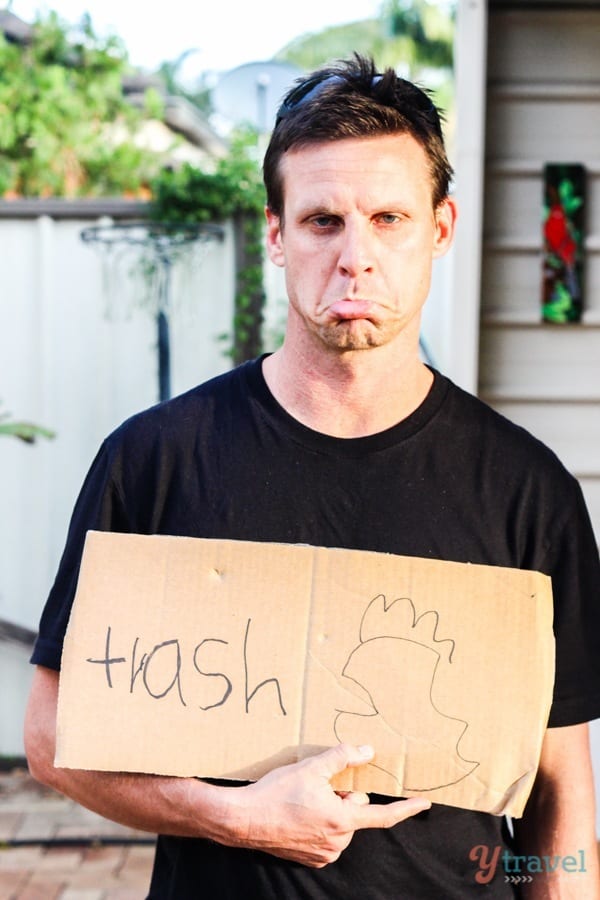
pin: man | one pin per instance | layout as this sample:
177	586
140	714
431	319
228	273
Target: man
344	438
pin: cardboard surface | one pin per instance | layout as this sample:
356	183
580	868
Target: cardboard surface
187	656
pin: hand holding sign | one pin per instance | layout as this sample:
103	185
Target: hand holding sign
294	813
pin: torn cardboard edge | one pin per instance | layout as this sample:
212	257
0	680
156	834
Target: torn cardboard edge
224	659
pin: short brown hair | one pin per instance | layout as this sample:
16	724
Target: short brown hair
352	100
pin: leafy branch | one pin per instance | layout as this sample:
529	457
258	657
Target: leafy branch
25	431
234	189
66	128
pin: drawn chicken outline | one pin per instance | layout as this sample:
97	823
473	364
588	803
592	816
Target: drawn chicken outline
417	639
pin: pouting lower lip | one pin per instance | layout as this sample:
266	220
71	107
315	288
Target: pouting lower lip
351	309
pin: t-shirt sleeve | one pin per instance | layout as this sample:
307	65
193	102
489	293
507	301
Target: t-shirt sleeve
574	567
99	507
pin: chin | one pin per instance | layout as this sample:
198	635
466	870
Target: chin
364	337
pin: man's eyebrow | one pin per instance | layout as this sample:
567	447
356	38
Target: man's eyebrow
318	209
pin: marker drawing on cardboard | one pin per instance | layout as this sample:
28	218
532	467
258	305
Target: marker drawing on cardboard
397	652
234	657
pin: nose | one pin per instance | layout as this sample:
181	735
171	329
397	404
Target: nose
356	250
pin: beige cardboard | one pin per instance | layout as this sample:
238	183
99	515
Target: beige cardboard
188	656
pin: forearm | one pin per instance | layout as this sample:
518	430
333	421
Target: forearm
179	806
293	812
558	827
175	806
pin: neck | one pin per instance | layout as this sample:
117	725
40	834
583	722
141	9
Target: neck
349	394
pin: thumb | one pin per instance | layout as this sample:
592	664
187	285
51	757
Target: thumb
335	760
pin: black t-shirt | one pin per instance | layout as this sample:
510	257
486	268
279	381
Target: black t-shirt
453	481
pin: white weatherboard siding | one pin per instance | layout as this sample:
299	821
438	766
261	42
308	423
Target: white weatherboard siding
543	105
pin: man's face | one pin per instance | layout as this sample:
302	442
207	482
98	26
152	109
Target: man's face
357	239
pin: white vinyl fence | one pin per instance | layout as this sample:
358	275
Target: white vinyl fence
78	354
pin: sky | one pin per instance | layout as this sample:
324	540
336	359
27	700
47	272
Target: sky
224	34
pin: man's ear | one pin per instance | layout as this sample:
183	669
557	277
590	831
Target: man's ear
274	238
445	223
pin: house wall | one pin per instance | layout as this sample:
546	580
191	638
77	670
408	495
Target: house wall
542	105
78	354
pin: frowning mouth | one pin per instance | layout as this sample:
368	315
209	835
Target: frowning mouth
351	309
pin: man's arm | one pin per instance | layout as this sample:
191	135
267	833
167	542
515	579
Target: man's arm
292	812
559	819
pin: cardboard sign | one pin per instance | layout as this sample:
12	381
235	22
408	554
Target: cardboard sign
213	658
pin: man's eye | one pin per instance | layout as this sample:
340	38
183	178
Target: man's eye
388	218
323	221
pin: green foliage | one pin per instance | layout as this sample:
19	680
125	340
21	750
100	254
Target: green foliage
410	34
25	431
169	71
426	32
189	195
60	95
310	51
234	190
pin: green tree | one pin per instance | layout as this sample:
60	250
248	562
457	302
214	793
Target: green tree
234	190
421	31
169	72
187	194
411	34
310	51
65	126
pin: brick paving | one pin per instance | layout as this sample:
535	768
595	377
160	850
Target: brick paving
53	849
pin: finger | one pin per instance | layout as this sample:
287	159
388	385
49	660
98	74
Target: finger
357	797
389	814
336	759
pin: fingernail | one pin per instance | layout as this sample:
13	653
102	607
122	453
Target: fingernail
366	751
